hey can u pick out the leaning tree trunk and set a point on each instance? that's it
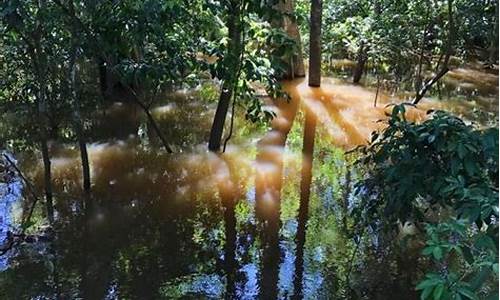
(231, 62)
(315, 44)
(444, 66)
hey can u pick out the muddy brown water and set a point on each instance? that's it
(196, 225)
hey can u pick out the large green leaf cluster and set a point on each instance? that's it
(441, 174)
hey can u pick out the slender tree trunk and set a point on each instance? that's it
(231, 61)
(153, 123)
(47, 172)
(418, 80)
(39, 61)
(103, 82)
(315, 43)
(444, 67)
(360, 63)
(78, 122)
(493, 49)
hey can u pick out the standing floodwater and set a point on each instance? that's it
(195, 224)
(11, 188)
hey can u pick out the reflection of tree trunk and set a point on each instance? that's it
(84, 286)
(345, 200)
(228, 201)
(231, 62)
(315, 43)
(228, 193)
(270, 260)
(268, 183)
(305, 189)
(360, 64)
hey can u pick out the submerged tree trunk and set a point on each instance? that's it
(77, 119)
(39, 62)
(79, 133)
(360, 63)
(315, 43)
(47, 172)
(231, 62)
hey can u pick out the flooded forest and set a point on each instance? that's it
(249, 149)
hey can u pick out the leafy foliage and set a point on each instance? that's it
(442, 173)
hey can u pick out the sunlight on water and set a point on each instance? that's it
(194, 203)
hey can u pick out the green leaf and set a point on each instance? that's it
(437, 252)
(468, 293)
(438, 292)
(426, 292)
(425, 284)
(470, 167)
(427, 250)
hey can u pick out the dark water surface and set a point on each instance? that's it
(267, 219)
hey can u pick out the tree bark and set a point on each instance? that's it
(315, 44)
(360, 64)
(77, 119)
(493, 49)
(80, 134)
(39, 65)
(42, 120)
(296, 66)
(231, 62)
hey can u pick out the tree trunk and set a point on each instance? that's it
(360, 64)
(151, 120)
(444, 67)
(315, 44)
(43, 121)
(77, 119)
(493, 49)
(289, 24)
(231, 62)
(47, 173)
(103, 77)
(39, 62)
